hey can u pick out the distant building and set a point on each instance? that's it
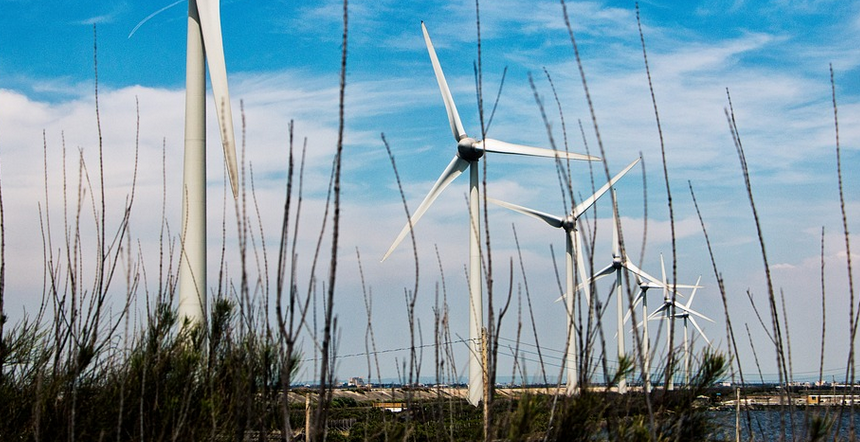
(394, 407)
(356, 382)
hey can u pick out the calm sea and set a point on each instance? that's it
(765, 424)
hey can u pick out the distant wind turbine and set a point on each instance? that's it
(204, 45)
(685, 315)
(469, 151)
(646, 282)
(574, 256)
(681, 311)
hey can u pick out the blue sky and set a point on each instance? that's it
(283, 65)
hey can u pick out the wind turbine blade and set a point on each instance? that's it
(588, 202)
(453, 116)
(580, 262)
(454, 169)
(637, 271)
(149, 17)
(491, 145)
(685, 286)
(693, 294)
(664, 284)
(663, 269)
(693, 312)
(636, 303)
(545, 217)
(699, 329)
(209, 12)
(661, 286)
(663, 307)
(608, 270)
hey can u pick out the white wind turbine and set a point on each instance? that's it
(574, 256)
(469, 151)
(646, 282)
(681, 311)
(645, 347)
(618, 263)
(204, 45)
(685, 315)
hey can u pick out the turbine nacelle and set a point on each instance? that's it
(469, 149)
(568, 223)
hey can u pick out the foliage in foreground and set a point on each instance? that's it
(167, 385)
(170, 385)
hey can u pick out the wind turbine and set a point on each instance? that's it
(665, 311)
(645, 282)
(468, 152)
(574, 256)
(615, 267)
(204, 45)
(685, 315)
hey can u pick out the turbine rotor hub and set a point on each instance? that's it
(569, 223)
(467, 150)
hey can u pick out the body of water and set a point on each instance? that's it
(772, 424)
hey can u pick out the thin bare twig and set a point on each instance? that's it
(823, 313)
(529, 302)
(777, 330)
(670, 361)
(854, 316)
(330, 322)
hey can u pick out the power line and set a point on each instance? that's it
(550, 361)
(393, 350)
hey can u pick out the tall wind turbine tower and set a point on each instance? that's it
(204, 45)
(618, 263)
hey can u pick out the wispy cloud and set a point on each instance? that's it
(111, 16)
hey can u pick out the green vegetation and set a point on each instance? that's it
(167, 384)
(222, 383)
